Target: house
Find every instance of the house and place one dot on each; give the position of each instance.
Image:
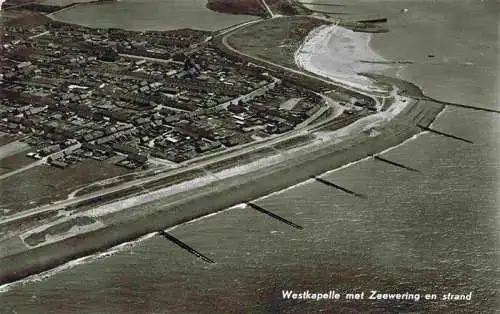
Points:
(236, 108)
(137, 158)
(58, 163)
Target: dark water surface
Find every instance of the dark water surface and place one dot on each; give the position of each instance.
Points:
(436, 231)
(149, 15)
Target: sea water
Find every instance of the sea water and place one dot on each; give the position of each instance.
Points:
(431, 232)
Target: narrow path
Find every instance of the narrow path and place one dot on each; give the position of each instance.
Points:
(147, 58)
(294, 71)
(32, 165)
(257, 92)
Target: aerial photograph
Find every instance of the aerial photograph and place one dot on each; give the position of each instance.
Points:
(249, 156)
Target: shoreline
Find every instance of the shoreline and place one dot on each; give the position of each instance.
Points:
(317, 45)
(246, 7)
(49, 9)
(209, 199)
(206, 200)
(115, 18)
(430, 227)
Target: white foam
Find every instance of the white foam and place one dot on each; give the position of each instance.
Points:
(438, 116)
(338, 135)
(285, 189)
(182, 187)
(83, 260)
(112, 251)
(238, 206)
(403, 143)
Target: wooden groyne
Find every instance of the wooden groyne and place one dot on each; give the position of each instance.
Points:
(325, 182)
(379, 20)
(395, 163)
(185, 246)
(451, 104)
(273, 215)
(444, 134)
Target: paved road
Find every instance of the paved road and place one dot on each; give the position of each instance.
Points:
(159, 60)
(299, 72)
(236, 151)
(329, 105)
(221, 156)
(259, 91)
(39, 35)
(34, 164)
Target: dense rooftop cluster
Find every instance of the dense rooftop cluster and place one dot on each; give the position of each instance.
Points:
(92, 93)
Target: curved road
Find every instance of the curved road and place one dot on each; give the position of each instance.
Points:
(224, 155)
(294, 71)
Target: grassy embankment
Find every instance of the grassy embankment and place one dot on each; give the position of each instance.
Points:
(202, 201)
(208, 199)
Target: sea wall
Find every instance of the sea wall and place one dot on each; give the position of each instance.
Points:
(222, 194)
(215, 197)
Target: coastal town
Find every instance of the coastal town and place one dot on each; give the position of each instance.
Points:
(78, 92)
(104, 114)
(220, 156)
(109, 129)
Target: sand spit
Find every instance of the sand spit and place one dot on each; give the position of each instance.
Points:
(340, 54)
(207, 195)
(207, 199)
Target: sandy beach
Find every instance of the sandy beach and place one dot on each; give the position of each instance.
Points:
(210, 198)
(142, 214)
(433, 230)
(338, 53)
